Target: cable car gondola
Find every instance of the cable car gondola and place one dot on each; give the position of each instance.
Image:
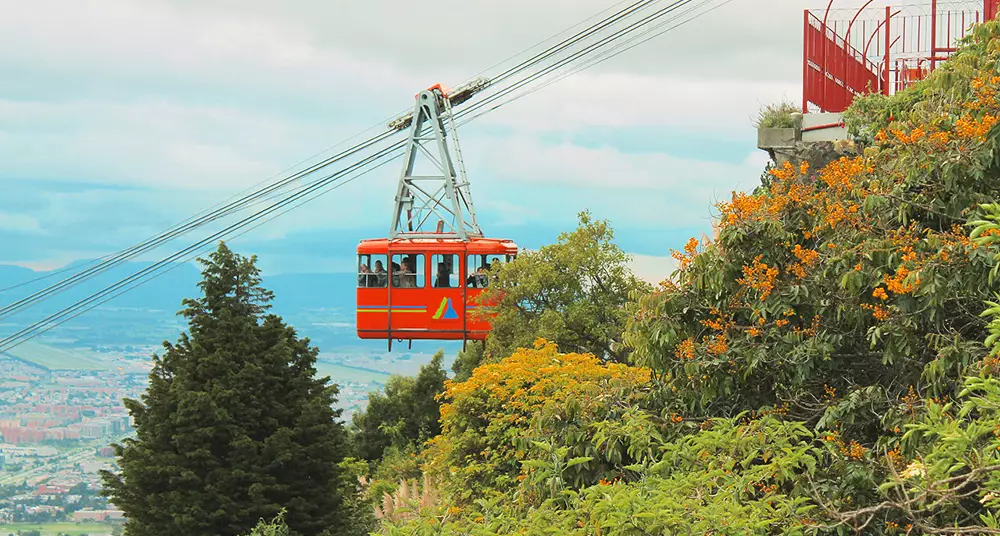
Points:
(419, 283)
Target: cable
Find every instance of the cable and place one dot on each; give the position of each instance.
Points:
(308, 192)
(201, 251)
(52, 274)
(606, 55)
(144, 246)
(211, 216)
(617, 35)
(540, 43)
(58, 317)
(222, 233)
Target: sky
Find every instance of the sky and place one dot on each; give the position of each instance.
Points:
(119, 118)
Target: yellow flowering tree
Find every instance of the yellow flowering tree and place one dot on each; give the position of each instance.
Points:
(536, 401)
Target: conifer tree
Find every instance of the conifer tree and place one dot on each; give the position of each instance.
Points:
(235, 425)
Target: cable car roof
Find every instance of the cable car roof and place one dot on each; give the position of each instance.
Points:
(473, 245)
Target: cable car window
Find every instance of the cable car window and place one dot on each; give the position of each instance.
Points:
(445, 271)
(371, 271)
(495, 260)
(408, 271)
(477, 267)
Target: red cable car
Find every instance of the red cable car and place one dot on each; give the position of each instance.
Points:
(423, 284)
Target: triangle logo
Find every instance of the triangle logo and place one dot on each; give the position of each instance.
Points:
(445, 311)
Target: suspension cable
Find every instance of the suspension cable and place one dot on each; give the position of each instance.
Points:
(309, 191)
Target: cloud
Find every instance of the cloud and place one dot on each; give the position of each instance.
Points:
(122, 118)
(651, 268)
(554, 181)
(724, 106)
(747, 38)
(20, 223)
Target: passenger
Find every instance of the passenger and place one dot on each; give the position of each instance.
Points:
(443, 277)
(380, 275)
(395, 274)
(407, 279)
(364, 276)
(478, 279)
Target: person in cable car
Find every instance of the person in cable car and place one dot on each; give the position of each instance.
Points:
(442, 279)
(380, 274)
(408, 278)
(364, 276)
(478, 279)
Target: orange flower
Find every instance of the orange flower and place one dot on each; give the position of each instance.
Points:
(760, 277)
(685, 350)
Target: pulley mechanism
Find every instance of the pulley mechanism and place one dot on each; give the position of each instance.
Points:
(437, 203)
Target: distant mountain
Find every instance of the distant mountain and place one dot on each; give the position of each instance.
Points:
(11, 275)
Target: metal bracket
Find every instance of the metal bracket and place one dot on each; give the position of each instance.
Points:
(442, 195)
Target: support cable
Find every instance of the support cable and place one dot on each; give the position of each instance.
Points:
(309, 191)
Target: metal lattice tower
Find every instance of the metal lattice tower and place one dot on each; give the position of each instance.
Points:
(441, 198)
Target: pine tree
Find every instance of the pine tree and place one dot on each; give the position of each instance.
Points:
(234, 425)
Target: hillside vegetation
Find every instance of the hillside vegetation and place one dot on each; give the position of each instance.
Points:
(817, 368)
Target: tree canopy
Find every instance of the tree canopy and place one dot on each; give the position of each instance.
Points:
(572, 293)
(234, 426)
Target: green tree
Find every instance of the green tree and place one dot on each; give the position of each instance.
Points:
(572, 293)
(234, 425)
(467, 360)
(407, 413)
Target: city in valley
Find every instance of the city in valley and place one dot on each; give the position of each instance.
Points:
(61, 409)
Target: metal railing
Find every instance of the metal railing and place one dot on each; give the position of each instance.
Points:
(880, 50)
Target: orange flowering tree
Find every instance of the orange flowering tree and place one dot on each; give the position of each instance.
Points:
(537, 401)
(858, 276)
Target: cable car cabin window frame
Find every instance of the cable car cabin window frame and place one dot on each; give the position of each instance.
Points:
(475, 261)
(419, 275)
(454, 270)
(367, 261)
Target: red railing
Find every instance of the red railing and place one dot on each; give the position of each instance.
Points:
(834, 70)
(880, 50)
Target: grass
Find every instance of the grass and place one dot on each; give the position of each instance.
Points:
(51, 529)
(51, 358)
(776, 115)
(340, 373)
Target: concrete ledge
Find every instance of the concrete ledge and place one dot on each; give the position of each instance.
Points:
(776, 138)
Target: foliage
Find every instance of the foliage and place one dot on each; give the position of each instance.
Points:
(946, 472)
(408, 500)
(733, 476)
(407, 413)
(275, 527)
(536, 402)
(777, 115)
(833, 292)
(359, 499)
(818, 368)
(467, 360)
(572, 293)
(234, 425)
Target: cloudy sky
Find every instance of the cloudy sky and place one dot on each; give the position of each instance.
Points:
(119, 118)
